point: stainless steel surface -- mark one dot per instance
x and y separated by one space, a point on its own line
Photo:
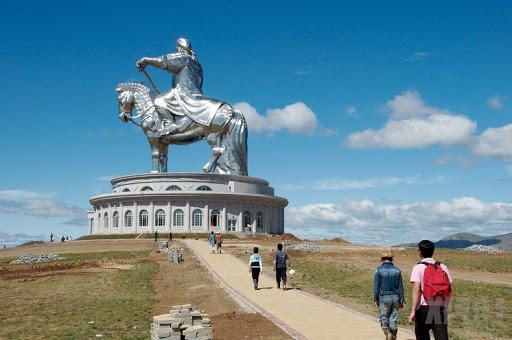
183 115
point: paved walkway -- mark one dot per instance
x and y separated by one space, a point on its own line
300 314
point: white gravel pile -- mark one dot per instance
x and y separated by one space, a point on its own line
29 258
483 249
307 246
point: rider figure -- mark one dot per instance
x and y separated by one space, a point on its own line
184 102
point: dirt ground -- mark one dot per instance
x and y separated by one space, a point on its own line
189 282
78 247
184 283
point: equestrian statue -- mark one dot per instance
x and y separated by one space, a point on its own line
183 115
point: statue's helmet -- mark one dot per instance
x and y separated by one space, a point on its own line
184 44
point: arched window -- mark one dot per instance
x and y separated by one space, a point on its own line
215 218
197 218
204 188
128 217
173 188
143 218
146 188
126 190
247 221
232 224
259 221
115 219
160 218
177 218
105 220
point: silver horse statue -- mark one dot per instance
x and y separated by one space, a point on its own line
226 135
183 115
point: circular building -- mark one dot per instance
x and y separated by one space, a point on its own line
187 202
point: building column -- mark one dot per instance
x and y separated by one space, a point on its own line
240 224
135 221
151 219
187 217
206 217
110 219
121 218
169 216
224 218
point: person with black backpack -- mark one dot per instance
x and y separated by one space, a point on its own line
431 293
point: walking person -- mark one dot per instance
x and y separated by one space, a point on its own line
431 295
51 238
388 294
280 260
218 239
255 267
213 241
170 236
156 236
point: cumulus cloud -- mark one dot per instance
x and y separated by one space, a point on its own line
495 102
368 222
41 205
413 124
298 118
18 238
494 142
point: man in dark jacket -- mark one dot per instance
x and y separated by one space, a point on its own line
388 294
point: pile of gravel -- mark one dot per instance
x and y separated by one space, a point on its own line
29 258
307 246
483 249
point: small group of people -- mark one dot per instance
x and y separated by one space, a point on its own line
431 293
281 262
62 239
215 240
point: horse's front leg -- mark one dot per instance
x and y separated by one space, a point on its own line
163 157
155 155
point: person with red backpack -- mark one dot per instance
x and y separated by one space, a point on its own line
431 295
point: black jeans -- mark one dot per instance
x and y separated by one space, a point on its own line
281 275
433 318
255 276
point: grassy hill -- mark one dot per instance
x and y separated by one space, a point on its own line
463 240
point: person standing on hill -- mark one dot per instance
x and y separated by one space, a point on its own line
431 295
255 267
388 294
218 239
170 236
156 236
213 240
280 259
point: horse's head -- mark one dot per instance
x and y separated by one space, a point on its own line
126 101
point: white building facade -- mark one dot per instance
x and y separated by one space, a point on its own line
187 202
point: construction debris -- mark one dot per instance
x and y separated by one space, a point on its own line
307 246
29 258
182 323
175 254
483 249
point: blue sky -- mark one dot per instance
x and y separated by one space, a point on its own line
429 83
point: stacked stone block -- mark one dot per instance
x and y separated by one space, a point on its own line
182 323
175 254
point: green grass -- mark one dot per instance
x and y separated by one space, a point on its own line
61 306
477 310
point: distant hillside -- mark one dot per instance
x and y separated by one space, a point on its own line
463 240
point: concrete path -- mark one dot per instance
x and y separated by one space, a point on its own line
300 314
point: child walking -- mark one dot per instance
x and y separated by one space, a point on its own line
255 266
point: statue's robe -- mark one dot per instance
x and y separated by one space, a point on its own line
186 95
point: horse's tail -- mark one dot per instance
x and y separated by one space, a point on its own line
237 142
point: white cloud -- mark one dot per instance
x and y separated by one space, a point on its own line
302 72
367 222
417 56
37 205
354 184
413 124
495 102
298 118
457 159
351 111
18 238
494 142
